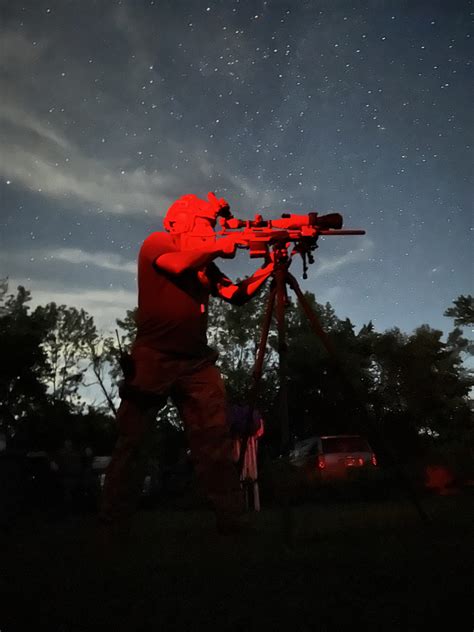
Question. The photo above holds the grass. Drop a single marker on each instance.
(353, 564)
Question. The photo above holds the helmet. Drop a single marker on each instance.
(191, 206)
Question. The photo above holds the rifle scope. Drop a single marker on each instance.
(288, 221)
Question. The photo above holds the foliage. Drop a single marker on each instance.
(409, 386)
(22, 393)
(463, 310)
(47, 356)
(415, 386)
(235, 333)
(65, 348)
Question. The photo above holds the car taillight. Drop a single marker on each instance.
(321, 462)
(373, 459)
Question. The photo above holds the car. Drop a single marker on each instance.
(334, 457)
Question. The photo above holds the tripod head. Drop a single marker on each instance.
(302, 231)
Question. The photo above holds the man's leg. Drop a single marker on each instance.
(126, 471)
(200, 398)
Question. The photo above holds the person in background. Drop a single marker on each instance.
(246, 428)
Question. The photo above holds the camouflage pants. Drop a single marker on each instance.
(199, 395)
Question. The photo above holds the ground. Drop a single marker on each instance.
(353, 564)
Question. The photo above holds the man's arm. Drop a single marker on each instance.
(240, 293)
(181, 260)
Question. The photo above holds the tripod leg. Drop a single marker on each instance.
(311, 316)
(280, 277)
(372, 425)
(257, 370)
(288, 517)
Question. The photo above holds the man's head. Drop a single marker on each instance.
(194, 219)
(182, 215)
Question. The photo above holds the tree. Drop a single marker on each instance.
(22, 393)
(408, 384)
(47, 356)
(325, 388)
(128, 325)
(125, 336)
(78, 357)
(103, 362)
(3, 294)
(65, 348)
(463, 311)
(235, 332)
(422, 387)
(415, 385)
(316, 401)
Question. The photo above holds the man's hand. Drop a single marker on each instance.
(226, 246)
(270, 257)
(240, 293)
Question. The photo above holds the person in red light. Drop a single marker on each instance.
(170, 358)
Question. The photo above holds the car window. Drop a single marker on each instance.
(344, 444)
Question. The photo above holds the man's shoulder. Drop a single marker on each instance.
(159, 237)
(158, 242)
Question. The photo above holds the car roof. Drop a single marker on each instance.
(315, 438)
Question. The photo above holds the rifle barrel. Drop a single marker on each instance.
(342, 232)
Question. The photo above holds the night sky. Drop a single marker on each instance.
(111, 110)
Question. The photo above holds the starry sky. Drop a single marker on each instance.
(110, 110)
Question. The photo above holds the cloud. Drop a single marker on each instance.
(106, 260)
(23, 121)
(51, 123)
(46, 151)
(18, 50)
(104, 305)
(326, 265)
(66, 267)
(43, 160)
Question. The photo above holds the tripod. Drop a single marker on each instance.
(277, 301)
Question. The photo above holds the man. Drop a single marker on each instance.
(170, 358)
(246, 428)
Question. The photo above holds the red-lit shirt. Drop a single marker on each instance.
(172, 309)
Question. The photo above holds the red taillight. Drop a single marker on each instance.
(352, 461)
(321, 462)
(374, 459)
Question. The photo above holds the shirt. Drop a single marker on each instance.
(172, 309)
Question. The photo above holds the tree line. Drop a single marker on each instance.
(59, 374)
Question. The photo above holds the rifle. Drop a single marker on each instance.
(303, 231)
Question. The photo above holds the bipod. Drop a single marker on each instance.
(277, 301)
